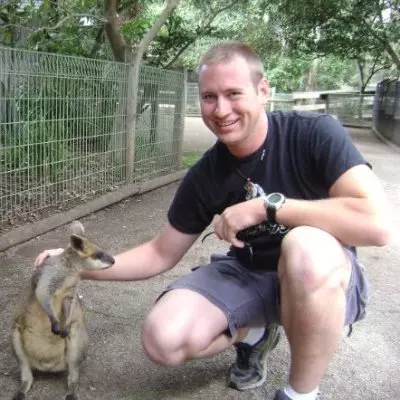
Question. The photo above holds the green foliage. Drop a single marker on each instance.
(335, 73)
(38, 149)
(346, 28)
(285, 73)
(134, 30)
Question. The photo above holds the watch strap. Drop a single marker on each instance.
(270, 210)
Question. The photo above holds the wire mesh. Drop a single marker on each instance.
(352, 108)
(159, 122)
(61, 120)
(192, 100)
(63, 130)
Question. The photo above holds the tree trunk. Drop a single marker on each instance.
(113, 30)
(119, 47)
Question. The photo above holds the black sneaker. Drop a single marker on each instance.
(250, 368)
(281, 395)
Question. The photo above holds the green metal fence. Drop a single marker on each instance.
(63, 127)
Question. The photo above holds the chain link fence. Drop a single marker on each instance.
(63, 130)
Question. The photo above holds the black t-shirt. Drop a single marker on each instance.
(303, 155)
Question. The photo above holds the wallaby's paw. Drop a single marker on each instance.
(71, 396)
(55, 327)
(64, 333)
(57, 330)
(19, 396)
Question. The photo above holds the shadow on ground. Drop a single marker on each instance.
(365, 367)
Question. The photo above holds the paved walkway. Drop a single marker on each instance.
(366, 367)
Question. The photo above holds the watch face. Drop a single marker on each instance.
(275, 198)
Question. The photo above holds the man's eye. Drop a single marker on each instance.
(234, 94)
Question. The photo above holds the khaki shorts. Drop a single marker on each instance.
(251, 298)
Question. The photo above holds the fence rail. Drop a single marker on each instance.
(63, 130)
(349, 108)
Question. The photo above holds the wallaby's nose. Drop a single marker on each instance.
(106, 258)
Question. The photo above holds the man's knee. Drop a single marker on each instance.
(172, 341)
(312, 258)
(161, 342)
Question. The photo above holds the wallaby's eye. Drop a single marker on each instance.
(77, 243)
(98, 255)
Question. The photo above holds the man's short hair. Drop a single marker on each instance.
(226, 51)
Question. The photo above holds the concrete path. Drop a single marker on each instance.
(366, 366)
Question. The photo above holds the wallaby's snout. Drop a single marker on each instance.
(106, 258)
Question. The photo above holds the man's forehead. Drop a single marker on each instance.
(236, 62)
(230, 74)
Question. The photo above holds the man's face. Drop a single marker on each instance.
(231, 106)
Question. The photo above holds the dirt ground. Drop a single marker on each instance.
(366, 366)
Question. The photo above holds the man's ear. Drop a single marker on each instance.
(263, 90)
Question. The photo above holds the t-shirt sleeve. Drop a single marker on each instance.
(333, 151)
(188, 212)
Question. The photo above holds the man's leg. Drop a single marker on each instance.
(314, 272)
(185, 325)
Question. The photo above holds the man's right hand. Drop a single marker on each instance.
(44, 254)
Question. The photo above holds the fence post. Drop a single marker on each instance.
(179, 120)
(131, 104)
(272, 99)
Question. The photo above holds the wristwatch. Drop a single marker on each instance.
(272, 203)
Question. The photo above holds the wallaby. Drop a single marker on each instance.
(48, 332)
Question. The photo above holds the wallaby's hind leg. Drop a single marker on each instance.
(76, 353)
(26, 373)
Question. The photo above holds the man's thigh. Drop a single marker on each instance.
(246, 298)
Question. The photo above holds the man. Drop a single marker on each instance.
(293, 197)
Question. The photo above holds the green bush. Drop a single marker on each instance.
(38, 148)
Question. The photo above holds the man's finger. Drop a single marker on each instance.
(236, 242)
(44, 254)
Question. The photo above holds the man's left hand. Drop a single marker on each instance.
(238, 217)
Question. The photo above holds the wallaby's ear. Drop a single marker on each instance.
(77, 243)
(77, 228)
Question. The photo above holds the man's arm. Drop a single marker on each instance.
(158, 255)
(356, 213)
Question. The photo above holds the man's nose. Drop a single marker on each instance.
(222, 107)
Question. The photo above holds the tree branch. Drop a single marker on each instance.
(385, 44)
(203, 29)
(150, 35)
(179, 53)
(62, 21)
